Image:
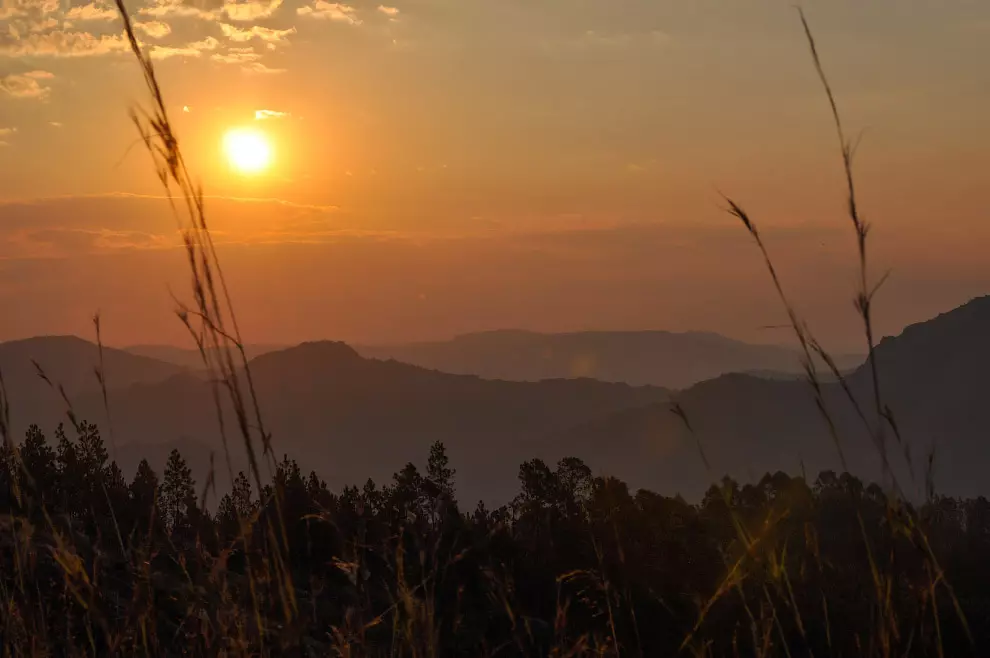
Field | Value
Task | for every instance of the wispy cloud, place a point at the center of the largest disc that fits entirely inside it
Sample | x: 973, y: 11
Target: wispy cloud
x: 255, y: 32
x: 250, y: 10
x: 92, y: 224
x: 34, y: 25
x: 7, y: 132
x: 194, y: 49
x: 391, y: 12
x: 27, y: 85
x: 334, y: 11
x: 177, y: 8
x: 258, y: 67
x: 154, y: 29
x: 6, y: 13
x: 64, y: 44
x: 236, y: 57
x: 91, y: 12
x: 262, y: 115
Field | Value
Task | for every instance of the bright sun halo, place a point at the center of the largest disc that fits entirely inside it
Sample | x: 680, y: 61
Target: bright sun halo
x: 247, y: 150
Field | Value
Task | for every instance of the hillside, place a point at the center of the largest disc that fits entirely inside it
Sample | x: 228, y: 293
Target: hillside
x: 933, y: 378
x: 660, y: 358
x: 69, y: 362
x: 191, y: 358
x: 351, y: 418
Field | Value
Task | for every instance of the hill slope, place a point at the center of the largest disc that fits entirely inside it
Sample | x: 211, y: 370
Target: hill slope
x: 351, y: 418
x: 933, y: 378
x: 69, y: 362
x: 191, y: 358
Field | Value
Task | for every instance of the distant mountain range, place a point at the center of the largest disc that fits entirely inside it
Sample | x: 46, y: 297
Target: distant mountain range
x: 658, y: 358
x: 192, y: 359
x: 640, y: 358
x: 68, y: 363
x: 347, y: 417
x: 350, y: 417
x: 933, y: 378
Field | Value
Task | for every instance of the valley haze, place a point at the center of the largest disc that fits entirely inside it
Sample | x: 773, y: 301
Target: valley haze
x: 350, y: 416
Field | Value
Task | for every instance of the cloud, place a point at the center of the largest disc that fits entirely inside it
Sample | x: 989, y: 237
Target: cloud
x: 258, y: 67
x: 99, y: 240
x: 7, y: 132
x: 40, y: 6
x: 236, y: 57
x: 154, y: 29
x: 334, y: 11
x: 388, y: 11
x: 35, y: 25
x: 167, y: 52
x: 91, y: 12
x: 194, y: 49
x: 261, y: 115
x: 250, y: 10
x: 177, y: 8
x: 71, y: 226
x: 23, y: 8
x: 27, y: 85
x: 255, y: 31
x: 64, y: 44
x: 107, y: 239
x: 55, y: 124
x: 6, y: 13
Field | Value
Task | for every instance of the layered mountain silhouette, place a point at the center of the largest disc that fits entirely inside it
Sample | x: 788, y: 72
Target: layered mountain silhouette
x: 40, y: 374
x: 190, y: 358
x: 932, y: 379
x: 350, y: 417
x: 659, y: 358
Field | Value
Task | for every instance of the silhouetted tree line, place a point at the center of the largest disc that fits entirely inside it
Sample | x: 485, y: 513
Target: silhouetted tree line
x: 576, y: 564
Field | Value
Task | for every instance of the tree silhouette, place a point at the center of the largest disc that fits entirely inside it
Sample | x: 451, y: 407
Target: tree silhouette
x: 177, y: 495
x: 576, y: 565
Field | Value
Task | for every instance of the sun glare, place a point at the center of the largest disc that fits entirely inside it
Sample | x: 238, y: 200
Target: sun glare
x: 248, y: 151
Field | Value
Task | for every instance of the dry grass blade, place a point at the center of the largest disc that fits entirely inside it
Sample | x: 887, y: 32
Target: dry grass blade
x: 219, y: 336
x: 887, y: 633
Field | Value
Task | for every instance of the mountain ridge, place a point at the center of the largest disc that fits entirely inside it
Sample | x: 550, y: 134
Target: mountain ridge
x: 643, y: 357
x: 351, y: 417
x: 933, y: 381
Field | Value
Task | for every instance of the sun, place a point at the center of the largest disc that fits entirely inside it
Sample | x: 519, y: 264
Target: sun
x: 248, y: 151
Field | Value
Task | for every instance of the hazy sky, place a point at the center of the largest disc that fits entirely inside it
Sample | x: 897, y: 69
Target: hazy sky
x: 442, y: 166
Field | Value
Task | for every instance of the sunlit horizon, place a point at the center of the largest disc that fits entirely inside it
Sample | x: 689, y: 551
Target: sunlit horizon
x: 445, y: 167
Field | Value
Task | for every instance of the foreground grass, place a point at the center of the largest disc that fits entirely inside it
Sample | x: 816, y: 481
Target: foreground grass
x: 573, y: 566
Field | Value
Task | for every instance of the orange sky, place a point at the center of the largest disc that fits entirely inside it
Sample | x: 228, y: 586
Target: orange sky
x: 443, y: 166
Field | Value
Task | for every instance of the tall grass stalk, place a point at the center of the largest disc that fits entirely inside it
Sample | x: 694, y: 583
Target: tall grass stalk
x: 811, y: 348
x: 211, y: 319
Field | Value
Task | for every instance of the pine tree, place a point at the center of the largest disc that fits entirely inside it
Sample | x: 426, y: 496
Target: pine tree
x: 71, y: 478
x: 144, y: 499
x: 178, y: 494
x: 241, y: 495
x: 439, y: 472
x: 38, y: 460
x: 92, y: 454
